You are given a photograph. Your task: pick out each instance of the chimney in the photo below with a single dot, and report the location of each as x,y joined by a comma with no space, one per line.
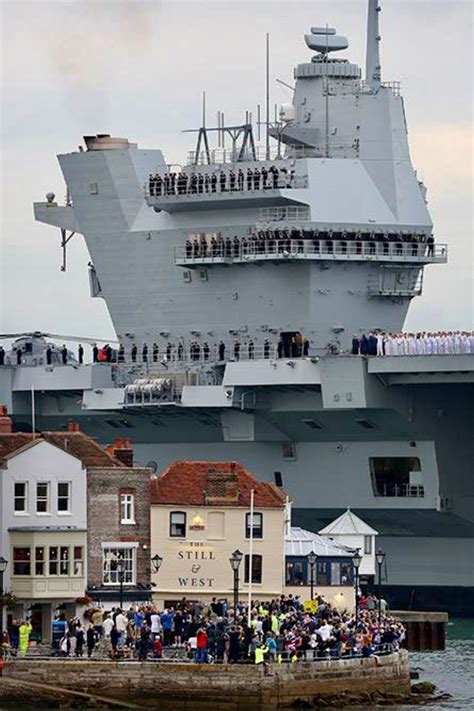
123,451
222,487
5,421
73,426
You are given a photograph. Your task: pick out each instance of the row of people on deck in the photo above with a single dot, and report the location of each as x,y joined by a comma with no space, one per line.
220,181
281,241
413,344
294,347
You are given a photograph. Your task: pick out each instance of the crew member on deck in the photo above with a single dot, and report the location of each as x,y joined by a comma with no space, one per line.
134,352
145,353
64,354
80,353
221,350
95,353
49,355
2,355
155,352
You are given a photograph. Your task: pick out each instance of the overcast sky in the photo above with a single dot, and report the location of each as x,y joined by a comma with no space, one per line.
137,69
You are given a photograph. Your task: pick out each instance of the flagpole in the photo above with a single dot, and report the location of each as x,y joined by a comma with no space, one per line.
250,559
33,415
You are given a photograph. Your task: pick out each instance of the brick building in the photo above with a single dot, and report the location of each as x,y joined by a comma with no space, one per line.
118,517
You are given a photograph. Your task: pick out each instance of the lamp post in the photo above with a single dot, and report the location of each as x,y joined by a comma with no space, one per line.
121,576
379,557
235,561
311,558
156,562
356,561
3,567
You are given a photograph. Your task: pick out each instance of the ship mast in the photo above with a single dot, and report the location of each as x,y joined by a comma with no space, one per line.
372,60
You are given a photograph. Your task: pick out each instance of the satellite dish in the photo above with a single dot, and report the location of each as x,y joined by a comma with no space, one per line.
152,465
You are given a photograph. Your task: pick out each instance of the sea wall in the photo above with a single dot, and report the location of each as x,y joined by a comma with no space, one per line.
197,686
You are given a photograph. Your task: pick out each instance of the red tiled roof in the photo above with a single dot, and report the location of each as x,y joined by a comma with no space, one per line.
185,483
77,444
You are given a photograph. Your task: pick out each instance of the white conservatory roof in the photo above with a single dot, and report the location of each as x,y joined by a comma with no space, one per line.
348,524
301,542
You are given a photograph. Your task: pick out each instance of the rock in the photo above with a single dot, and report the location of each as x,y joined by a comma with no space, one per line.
423,687
301,704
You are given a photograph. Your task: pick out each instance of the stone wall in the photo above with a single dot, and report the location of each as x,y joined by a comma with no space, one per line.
184,686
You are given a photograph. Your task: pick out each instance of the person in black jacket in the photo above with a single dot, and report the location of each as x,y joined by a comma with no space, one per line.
355,345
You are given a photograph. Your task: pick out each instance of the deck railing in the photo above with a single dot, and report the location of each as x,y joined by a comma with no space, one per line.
248,250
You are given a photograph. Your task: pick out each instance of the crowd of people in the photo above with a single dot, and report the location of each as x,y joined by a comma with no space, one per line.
220,181
281,630
414,344
297,241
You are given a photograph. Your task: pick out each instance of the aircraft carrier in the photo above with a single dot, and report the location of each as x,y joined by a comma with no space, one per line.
247,273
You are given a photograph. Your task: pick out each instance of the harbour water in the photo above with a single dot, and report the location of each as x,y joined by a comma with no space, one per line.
452,671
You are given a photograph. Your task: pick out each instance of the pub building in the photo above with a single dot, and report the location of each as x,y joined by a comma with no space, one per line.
200,515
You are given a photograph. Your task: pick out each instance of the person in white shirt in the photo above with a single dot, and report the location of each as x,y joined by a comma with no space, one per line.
155,624
121,623
107,626
324,631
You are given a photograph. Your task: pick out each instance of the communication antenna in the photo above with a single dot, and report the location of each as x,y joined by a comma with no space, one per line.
373,68
204,109
258,122
267,98
327,93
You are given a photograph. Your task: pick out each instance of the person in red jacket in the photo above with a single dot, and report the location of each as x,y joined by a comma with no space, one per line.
201,646
157,648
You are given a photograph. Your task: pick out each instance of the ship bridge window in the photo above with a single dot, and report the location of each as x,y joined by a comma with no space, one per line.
396,476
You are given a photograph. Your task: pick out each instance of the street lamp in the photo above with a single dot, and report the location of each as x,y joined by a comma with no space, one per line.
379,557
356,561
3,567
235,561
156,562
121,575
311,558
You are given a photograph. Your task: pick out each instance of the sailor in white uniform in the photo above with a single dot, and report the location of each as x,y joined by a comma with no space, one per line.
419,345
380,340
427,344
457,343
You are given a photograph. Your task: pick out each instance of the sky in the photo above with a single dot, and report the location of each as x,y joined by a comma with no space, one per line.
137,69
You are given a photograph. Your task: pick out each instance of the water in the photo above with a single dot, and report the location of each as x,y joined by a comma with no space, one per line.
452,671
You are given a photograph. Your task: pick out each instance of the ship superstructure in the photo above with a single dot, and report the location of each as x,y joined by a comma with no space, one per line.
246,273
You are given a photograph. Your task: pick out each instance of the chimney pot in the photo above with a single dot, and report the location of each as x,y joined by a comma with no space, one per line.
5,421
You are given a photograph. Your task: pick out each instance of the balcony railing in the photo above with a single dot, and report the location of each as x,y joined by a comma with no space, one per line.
226,156
290,213
253,190
409,491
220,251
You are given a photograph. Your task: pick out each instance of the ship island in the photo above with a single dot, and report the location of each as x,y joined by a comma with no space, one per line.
258,294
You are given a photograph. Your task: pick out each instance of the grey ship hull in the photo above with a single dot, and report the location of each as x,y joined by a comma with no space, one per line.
418,407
